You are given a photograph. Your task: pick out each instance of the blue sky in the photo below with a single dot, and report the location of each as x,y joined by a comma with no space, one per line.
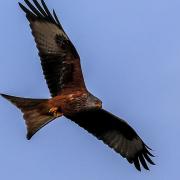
130,55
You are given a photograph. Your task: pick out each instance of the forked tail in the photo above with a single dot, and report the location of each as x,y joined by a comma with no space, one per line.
36,112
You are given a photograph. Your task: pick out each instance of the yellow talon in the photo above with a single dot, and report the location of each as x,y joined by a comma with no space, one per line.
54,111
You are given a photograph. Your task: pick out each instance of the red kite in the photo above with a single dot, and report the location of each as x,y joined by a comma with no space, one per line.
70,97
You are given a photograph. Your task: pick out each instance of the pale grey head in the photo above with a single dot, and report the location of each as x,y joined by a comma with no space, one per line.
93,102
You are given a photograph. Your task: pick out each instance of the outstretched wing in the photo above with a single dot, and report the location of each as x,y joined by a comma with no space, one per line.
59,58
117,134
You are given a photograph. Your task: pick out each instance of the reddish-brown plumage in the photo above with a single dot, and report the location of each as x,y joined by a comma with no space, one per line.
73,102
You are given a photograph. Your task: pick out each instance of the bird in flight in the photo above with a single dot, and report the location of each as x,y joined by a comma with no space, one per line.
69,96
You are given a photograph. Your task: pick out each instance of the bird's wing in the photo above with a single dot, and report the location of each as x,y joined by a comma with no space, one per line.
59,58
117,134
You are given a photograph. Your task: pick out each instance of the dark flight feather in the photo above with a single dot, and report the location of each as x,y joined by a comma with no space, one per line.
136,164
116,133
148,158
47,11
57,20
33,9
40,8
143,162
27,11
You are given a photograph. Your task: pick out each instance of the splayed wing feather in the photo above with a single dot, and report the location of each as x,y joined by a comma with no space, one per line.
40,8
33,9
148,159
137,164
57,20
143,162
27,11
47,11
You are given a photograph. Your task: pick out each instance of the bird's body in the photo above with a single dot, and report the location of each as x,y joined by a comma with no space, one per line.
72,103
70,98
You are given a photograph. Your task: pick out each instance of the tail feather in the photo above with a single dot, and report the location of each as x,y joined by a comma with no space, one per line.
35,112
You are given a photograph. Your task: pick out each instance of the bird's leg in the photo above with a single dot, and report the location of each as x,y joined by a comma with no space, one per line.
55,112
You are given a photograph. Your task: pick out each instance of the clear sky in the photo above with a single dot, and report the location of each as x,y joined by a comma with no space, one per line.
130,55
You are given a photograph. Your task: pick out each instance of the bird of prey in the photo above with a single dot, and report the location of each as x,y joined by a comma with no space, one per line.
69,96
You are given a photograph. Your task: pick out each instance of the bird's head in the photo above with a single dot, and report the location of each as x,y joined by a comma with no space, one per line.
93,102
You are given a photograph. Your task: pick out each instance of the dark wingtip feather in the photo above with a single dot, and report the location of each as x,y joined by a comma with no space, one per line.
148,147
40,8
37,10
23,7
143,162
33,9
148,152
47,11
148,159
57,21
56,18
27,11
137,164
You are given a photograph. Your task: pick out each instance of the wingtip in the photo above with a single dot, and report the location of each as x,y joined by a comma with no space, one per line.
20,5
137,164
149,153
43,2
143,162
152,162
146,167
23,7
148,159
148,147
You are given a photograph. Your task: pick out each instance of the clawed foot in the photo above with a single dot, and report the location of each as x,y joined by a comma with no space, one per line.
55,112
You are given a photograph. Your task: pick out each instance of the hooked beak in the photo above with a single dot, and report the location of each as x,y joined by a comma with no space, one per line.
99,104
